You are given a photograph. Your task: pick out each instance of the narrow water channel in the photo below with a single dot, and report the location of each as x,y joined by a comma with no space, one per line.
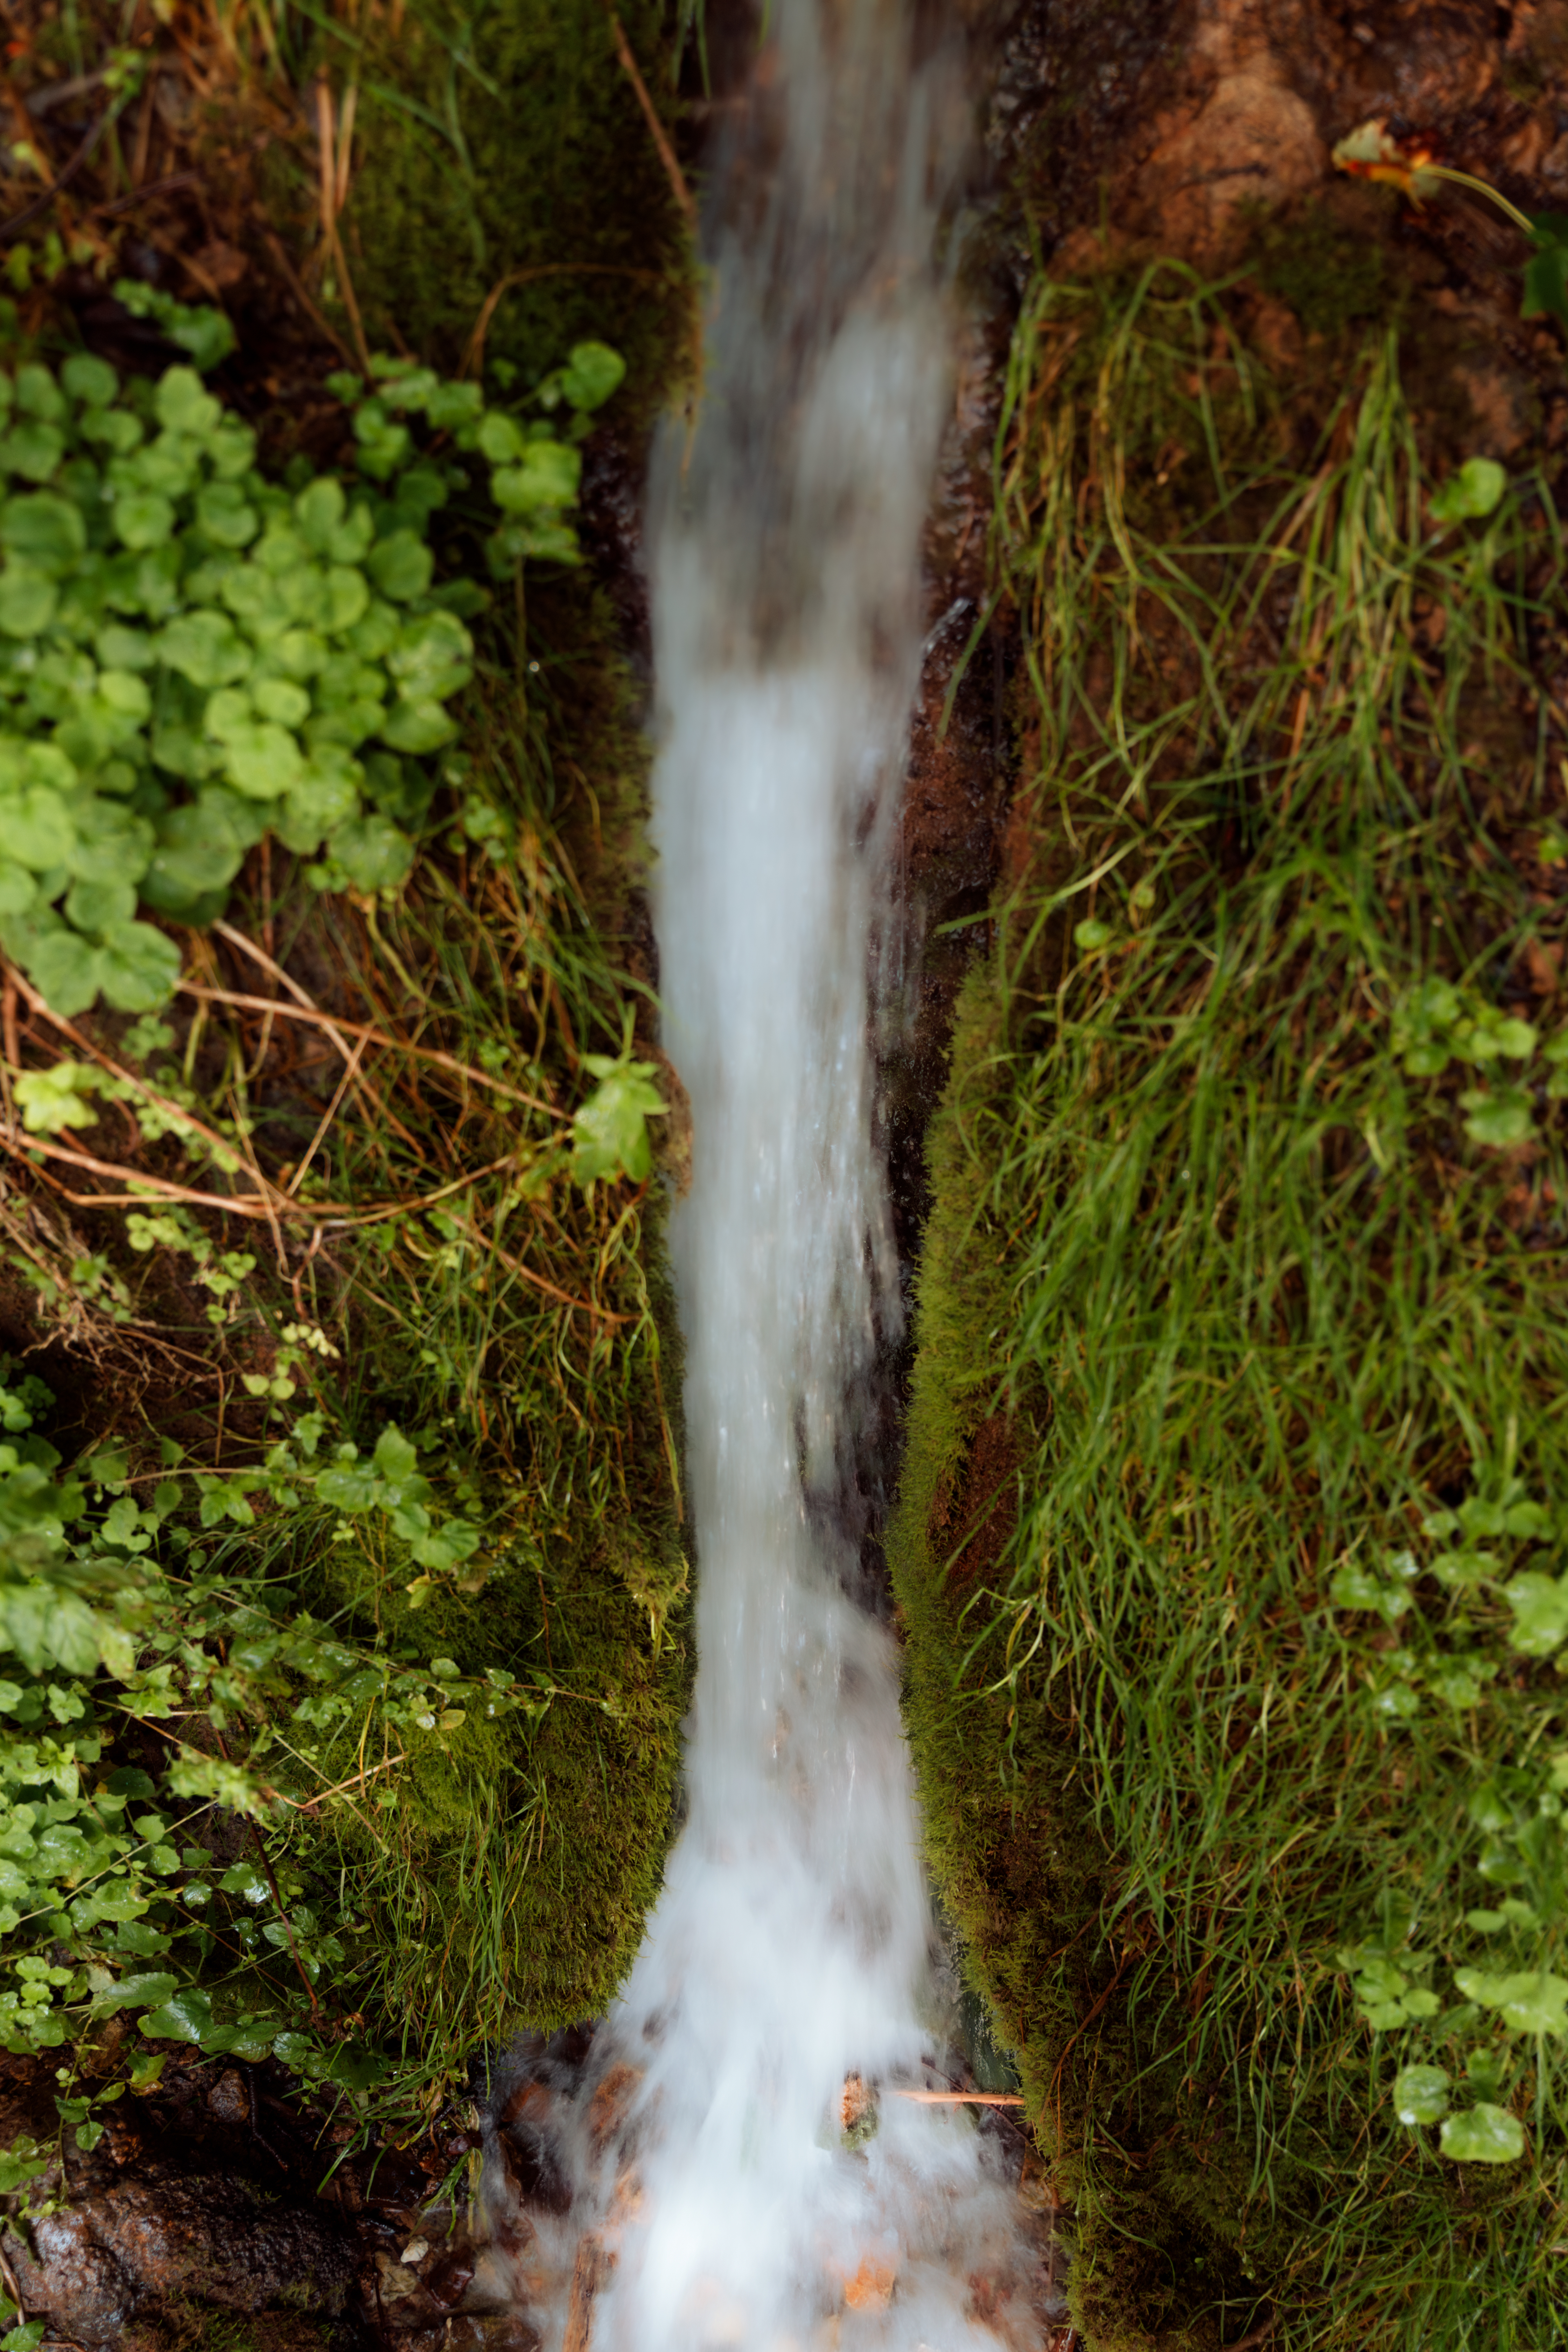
747,2172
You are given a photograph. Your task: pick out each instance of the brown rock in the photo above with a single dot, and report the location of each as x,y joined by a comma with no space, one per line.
592,2268
137,2244
229,2097
608,2107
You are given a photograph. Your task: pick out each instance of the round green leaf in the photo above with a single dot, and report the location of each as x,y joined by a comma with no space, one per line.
1483,2134
200,849
226,515
34,451
125,695
1460,1569
417,727
182,403
100,905
28,601
347,598
453,405
326,797
432,658
591,373
67,969
1539,1605
548,476
140,969
280,698
372,853
37,829
401,567
144,519
43,531
1089,936
37,394
1420,2095
1500,1118
205,647
318,510
263,761
1530,2001
18,891
500,439
89,380
1470,493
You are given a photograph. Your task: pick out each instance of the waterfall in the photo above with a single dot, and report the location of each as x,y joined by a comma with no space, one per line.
730,2192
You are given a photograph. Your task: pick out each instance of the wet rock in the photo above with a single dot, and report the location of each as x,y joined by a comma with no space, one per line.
137,2244
229,2097
608,2107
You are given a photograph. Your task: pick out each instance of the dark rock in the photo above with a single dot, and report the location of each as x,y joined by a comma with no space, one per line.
137,2244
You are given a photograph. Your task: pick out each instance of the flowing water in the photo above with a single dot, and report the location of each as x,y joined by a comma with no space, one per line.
716,2183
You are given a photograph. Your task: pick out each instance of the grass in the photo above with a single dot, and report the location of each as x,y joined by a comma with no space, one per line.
1218,1302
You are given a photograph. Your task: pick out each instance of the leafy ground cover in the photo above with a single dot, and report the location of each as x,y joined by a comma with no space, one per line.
342,1572
1228,1545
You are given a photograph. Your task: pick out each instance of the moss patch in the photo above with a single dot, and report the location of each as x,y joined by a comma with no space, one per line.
506,150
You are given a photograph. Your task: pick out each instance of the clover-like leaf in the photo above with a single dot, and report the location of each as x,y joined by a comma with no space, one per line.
28,599
1501,1117
57,1098
401,567
548,474
1530,2002
593,371
1539,1605
1470,493
205,647
1483,2134
139,968
1355,1587
372,853
43,531
1420,2095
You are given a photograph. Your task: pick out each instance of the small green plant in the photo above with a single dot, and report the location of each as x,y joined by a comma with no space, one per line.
114,1616
610,1136
1438,1022
193,656
1373,152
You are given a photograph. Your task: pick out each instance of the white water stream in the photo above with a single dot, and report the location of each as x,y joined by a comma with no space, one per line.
717,2200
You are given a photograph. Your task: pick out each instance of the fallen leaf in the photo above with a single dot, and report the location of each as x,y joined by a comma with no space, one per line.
871,2288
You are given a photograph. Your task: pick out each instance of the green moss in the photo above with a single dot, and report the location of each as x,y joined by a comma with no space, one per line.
508,143
509,1882
1327,258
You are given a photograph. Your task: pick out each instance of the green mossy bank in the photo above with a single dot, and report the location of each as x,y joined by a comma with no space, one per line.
1226,1545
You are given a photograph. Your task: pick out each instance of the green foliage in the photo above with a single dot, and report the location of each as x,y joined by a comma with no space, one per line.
610,1131
192,656
113,1894
1471,494
204,336
1225,1282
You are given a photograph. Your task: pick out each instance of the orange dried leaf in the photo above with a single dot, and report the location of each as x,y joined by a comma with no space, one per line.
871,2288
1371,152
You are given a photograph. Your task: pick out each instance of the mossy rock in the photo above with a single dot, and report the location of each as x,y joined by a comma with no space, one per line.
506,155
